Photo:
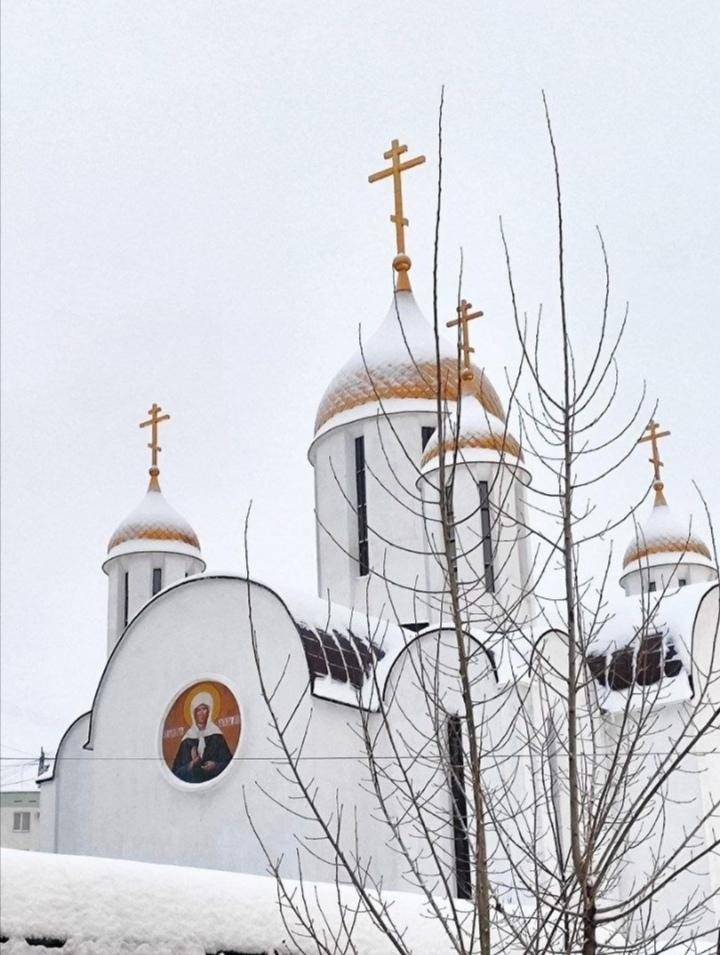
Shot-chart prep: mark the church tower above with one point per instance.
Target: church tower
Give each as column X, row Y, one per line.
column 664, row 553
column 152, row 548
column 484, row 479
column 372, row 428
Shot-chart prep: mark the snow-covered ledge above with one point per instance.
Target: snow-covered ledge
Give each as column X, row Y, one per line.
column 118, row 907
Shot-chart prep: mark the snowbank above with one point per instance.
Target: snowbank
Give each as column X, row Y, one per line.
column 117, row 907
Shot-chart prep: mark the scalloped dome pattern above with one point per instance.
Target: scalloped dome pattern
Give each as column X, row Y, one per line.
column 663, row 534
column 154, row 520
column 398, row 361
column 478, row 429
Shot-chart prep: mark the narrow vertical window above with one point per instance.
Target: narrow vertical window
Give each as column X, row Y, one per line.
column 157, row 580
column 459, row 808
column 450, row 515
column 486, row 537
column 126, row 597
column 426, row 434
column 361, row 504
column 652, row 586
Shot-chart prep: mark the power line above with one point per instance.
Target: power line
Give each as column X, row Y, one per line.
column 24, row 752
column 418, row 758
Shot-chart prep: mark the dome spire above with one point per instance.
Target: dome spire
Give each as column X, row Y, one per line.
column 153, row 422
column 464, row 317
column 652, row 436
column 401, row 262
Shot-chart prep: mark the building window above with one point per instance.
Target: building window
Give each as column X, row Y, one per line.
column 652, row 586
column 21, row 822
column 459, row 808
column 450, row 516
column 157, row 580
column 126, row 597
column 486, row 536
column 427, row 433
column 681, row 582
column 361, row 506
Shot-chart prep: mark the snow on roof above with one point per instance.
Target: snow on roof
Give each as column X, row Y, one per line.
column 153, row 525
column 399, row 362
column 663, row 538
column 348, row 653
column 643, row 643
column 112, row 906
column 671, row 612
column 479, row 435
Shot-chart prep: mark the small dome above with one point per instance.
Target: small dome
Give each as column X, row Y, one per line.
column 479, row 429
column 398, row 362
column 663, row 538
column 154, row 526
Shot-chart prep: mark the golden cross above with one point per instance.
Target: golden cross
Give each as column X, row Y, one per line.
column 153, row 422
column 401, row 262
column 653, row 436
column 464, row 317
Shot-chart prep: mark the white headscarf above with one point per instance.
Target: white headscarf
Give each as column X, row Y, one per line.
column 195, row 733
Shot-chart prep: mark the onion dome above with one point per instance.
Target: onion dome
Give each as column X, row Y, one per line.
column 477, row 433
column 397, row 364
column 154, row 526
column 664, row 539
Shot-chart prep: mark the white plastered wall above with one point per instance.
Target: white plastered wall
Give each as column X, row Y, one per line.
column 393, row 449
column 139, row 568
column 119, row 799
column 509, row 540
column 665, row 574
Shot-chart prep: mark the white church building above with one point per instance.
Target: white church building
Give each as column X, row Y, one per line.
column 235, row 718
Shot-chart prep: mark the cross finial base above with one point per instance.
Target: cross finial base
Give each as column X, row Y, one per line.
column 402, row 264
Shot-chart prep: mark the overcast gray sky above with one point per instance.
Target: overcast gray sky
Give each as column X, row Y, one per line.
column 187, row 220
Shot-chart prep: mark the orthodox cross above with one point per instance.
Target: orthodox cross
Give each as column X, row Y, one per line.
column 401, row 262
column 464, row 317
column 153, row 422
column 652, row 436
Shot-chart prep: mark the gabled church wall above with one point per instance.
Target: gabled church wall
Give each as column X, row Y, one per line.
column 193, row 632
column 122, row 799
column 422, row 699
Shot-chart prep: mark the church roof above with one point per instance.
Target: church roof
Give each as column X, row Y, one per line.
column 399, row 362
column 477, row 430
column 154, row 525
column 348, row 654
column 641, row 644
column 664, row 538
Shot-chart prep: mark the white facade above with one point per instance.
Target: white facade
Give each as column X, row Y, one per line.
column 396, row 543
column 131, row 581
column 20, row 820
column 372, row 658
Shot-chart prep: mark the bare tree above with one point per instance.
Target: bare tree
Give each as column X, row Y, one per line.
column 535, row 768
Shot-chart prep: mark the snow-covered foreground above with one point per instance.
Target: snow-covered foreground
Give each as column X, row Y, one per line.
column 116, row 907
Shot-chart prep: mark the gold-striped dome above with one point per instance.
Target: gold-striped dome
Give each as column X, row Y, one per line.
column 662, row 533
column 479, row 429
column 153, row 524
column 399, row 362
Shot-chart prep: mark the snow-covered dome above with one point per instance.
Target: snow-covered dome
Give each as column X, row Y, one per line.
column 477, row 433
column 664, row 538
column 398, row 363
column 154, row 526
